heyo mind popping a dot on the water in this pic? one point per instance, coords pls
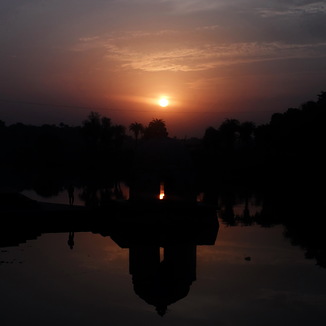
(250, 276)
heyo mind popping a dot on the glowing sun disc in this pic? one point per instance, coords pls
(163, 102)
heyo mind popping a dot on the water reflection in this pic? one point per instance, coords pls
(82, 195)
(158, 275)
(162, 282)
(298, 210)
(71, 194)
(71, 241)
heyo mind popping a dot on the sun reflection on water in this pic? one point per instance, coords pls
(161, 196)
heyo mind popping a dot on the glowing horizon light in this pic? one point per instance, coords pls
(161, 196)
(163, 102)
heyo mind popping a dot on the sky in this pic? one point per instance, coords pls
(213, 60)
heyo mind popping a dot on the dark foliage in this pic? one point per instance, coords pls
(289, 149)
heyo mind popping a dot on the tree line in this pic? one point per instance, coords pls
(290, 147)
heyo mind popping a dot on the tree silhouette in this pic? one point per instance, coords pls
(137, 129)
(118, 135)
(156, 129)
(287, 149)
(92, 127)
(321, 98)
(229, 130)
(211, 137)
(246, 130)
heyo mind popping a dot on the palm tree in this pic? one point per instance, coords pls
(92, 127)
(156, 129)
(118, 135)
(137, 129)
(229, 130)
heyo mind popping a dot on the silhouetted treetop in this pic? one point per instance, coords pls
(322, 99)
(289, 145)
(137, 129)
(246, 130)
(96, 127)
(156, 129)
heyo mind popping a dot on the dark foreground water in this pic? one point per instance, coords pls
(251, 276)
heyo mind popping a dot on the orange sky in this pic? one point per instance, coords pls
(212, 59)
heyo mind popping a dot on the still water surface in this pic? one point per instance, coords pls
(251, 276)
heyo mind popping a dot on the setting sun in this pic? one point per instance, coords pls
(163, 102)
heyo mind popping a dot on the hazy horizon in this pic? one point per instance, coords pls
(212, 60)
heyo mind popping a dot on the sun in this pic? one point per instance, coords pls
(163, 102)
